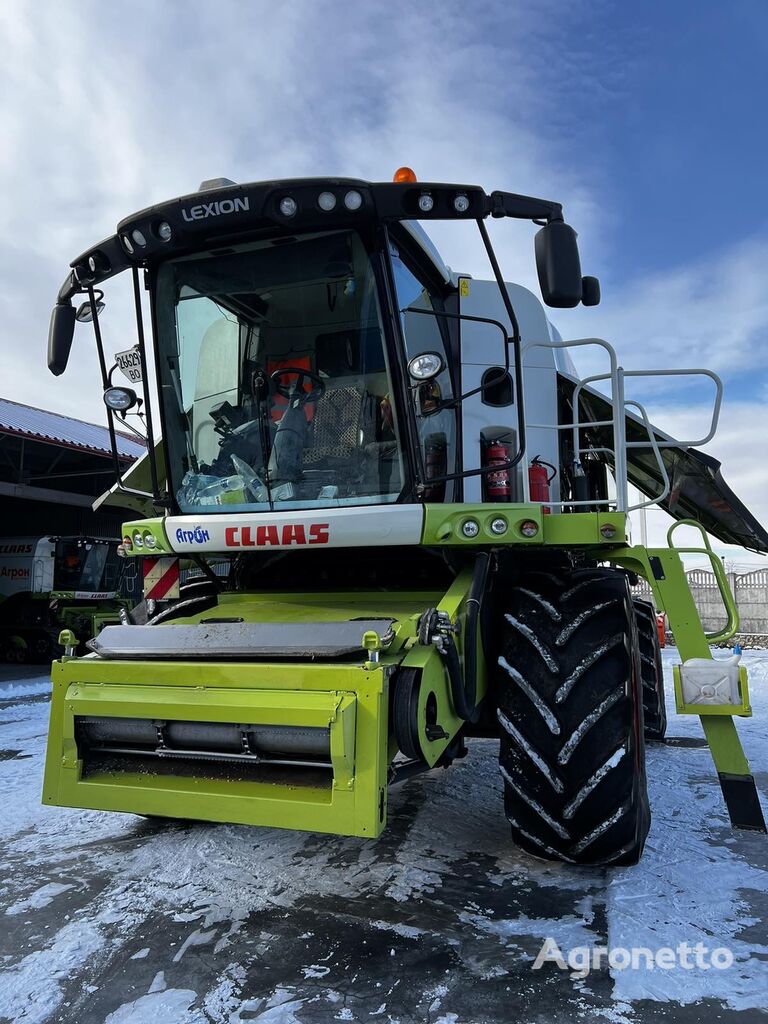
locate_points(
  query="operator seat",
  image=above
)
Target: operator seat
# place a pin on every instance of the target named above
(343, 423)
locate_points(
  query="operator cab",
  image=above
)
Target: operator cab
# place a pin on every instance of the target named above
(306, 338)
(275, 357)
(277, 349)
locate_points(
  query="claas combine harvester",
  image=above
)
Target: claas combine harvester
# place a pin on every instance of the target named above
(424, 510)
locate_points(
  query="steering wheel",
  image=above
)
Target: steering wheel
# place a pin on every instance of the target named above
(297, 391)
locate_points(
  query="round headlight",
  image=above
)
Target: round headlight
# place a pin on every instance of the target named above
(149, 540)
(426, 202)
(326, 201)
(120, 399)
(288, 206)
(461, 203)
(529, 528)
(470, 528)
(608, 530)
(499, 526)
(164, 231)
(353, 200)
(128, 244)
(139, 237)
(138, 540)
(426, 366)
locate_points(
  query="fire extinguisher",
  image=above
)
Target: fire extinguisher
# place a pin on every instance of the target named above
(497, 483)
(539, 480)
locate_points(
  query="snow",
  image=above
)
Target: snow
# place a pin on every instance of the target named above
(169, 1006)
(578, 733)
(39, 898)
(534, 755)
(565, 687)
(589, 785)
(112, 919)
(552, 723)
(533, 639)
(28, 681)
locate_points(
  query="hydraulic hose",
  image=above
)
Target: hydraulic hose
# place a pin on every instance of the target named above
(464, 689)
(474, 601)
(452, 664)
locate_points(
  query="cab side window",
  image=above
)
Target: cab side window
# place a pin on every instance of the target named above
(424, 331)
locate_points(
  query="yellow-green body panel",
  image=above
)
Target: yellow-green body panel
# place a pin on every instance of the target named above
(351, 698)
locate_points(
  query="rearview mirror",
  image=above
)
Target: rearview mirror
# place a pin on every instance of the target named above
(558, 265)
(60, 334)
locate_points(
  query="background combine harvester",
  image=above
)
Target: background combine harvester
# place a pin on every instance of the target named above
(426, 513)
(52, 583)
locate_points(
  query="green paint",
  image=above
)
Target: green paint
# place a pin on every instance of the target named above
(350, 697)
(673, 596)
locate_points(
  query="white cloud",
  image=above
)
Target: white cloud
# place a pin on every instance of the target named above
(105, 110)
(738, 446)
(101, 116)
(712, 312)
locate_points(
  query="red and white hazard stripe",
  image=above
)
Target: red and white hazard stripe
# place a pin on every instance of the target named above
(161, 579)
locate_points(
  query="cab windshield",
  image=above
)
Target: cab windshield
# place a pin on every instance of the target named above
(85, 566)
(274, 377)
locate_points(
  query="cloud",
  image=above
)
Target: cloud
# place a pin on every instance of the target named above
(105, 110)
(101, 116)
(713, 312)
(737, 445)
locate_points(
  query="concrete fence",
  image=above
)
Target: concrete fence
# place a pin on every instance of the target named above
(750, 590)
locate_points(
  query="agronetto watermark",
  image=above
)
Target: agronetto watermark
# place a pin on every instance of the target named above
(582, 959)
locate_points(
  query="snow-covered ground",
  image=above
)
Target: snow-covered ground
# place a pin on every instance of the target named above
(113, 919)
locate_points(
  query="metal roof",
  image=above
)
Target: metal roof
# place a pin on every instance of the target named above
(41, 425)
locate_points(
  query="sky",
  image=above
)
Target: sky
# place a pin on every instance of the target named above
(645, 121)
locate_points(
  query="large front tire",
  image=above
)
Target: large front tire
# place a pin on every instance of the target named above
(571, 718)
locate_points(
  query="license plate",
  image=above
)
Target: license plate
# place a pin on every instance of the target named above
(129, 364)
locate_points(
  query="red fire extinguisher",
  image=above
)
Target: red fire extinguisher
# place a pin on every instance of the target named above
(497, 483)
(539, 480)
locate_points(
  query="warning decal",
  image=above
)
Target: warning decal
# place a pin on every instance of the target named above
(161, 579)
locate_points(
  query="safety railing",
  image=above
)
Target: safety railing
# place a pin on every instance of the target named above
(619, 448)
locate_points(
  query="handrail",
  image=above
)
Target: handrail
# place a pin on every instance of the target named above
(685, 372)
(732, 625)
(659, 461)
(617, 421)
(617, 375)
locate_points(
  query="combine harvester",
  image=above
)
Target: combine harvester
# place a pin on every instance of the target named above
(52, 583)
(426, 513)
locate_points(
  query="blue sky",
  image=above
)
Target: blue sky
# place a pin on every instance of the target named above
(682, 145)
(646, 121)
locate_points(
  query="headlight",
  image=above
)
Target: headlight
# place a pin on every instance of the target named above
(288, 206)
(470, 528)
(353, 200)
(426, 366)
(326, 201)
(120, 399)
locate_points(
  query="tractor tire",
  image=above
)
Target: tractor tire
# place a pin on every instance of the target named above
(571, 718)
(654, 704)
